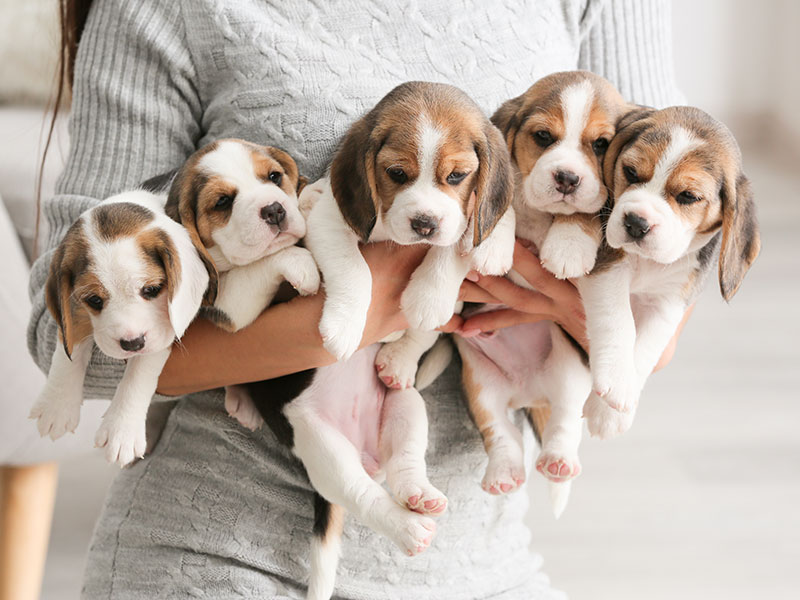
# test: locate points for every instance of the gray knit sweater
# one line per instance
(217, 512)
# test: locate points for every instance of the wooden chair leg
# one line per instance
(27, 495)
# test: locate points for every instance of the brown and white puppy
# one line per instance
(127, 278)
(679, 196)
(557, 133)
(424, 166)
(239, 203)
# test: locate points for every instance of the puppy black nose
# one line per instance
(273, 214)
(566, 181)
(133, 345)
(424, 225)
(636, 226)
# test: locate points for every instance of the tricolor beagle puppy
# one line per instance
(424, 166)
(127, 278)
(239, 203)
(557, 133)
(679, 197)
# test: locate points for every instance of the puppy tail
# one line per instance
(326, 544)
(434, 363)
(559, 496)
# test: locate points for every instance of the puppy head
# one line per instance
(425, 161)
(676, 176)
(558, 132)
(120, 275)
(239, 198)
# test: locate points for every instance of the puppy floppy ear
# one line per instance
(69, 261)
(494, 188)
(185, 273)
(508, 120)
(741, 240)
(353, 180)
(629, 127)
(182, 206)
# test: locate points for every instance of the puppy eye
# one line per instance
(224, 202)
(151, 291)
(276, 177)
(455, 178)
(95, 302)
(543, 138)
(397, 175)
(599, 146)
(686, 197)
(630, 174)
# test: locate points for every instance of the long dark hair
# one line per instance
(72, 19)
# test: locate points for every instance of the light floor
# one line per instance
(700, 500)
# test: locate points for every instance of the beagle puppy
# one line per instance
(424, 166)
(239, 203)
(680, 197)
(127, 278)
(557, 133)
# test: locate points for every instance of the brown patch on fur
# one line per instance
(539, 416)
(387, 137)
(483, 418)
(121, 219)
(336, 515)
(70, 261)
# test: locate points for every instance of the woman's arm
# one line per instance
(135, 113)
(285, 338)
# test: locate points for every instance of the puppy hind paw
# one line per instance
(503, 476)
(241, 407)
(558, 467)
(394, 369)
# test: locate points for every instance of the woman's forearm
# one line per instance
(284, 339)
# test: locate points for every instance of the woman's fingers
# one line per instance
(530, 267)
(454, 324)
(509, 293)
(497, 319)
(472, 292)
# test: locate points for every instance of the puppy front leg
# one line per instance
(612, 335)
(122, 432)
(58, 407)
(656, 323)
(396, 362)
(348, 281)
(430, 297)
(403, 441)
(570, 246)
(336, 472)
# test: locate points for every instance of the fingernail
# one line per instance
(473, 276)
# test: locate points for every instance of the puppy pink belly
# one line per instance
(517, 352)
(351, 399)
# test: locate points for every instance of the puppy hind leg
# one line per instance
(335, 470)
(403, 441)
(488, 405)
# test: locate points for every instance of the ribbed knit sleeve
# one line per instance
(629, 42)
(135, 113)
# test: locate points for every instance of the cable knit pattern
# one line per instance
(218, 512)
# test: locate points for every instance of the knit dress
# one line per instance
(219, 512)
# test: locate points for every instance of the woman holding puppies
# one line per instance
(216, 511)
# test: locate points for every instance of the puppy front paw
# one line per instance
(493, 258)
(412, 532)
(394, 367)
(301, 271)
(566, 258)
(123, 437)
(55, 416)
(342, 330)
(603, 421)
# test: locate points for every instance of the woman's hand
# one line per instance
(555, 300)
